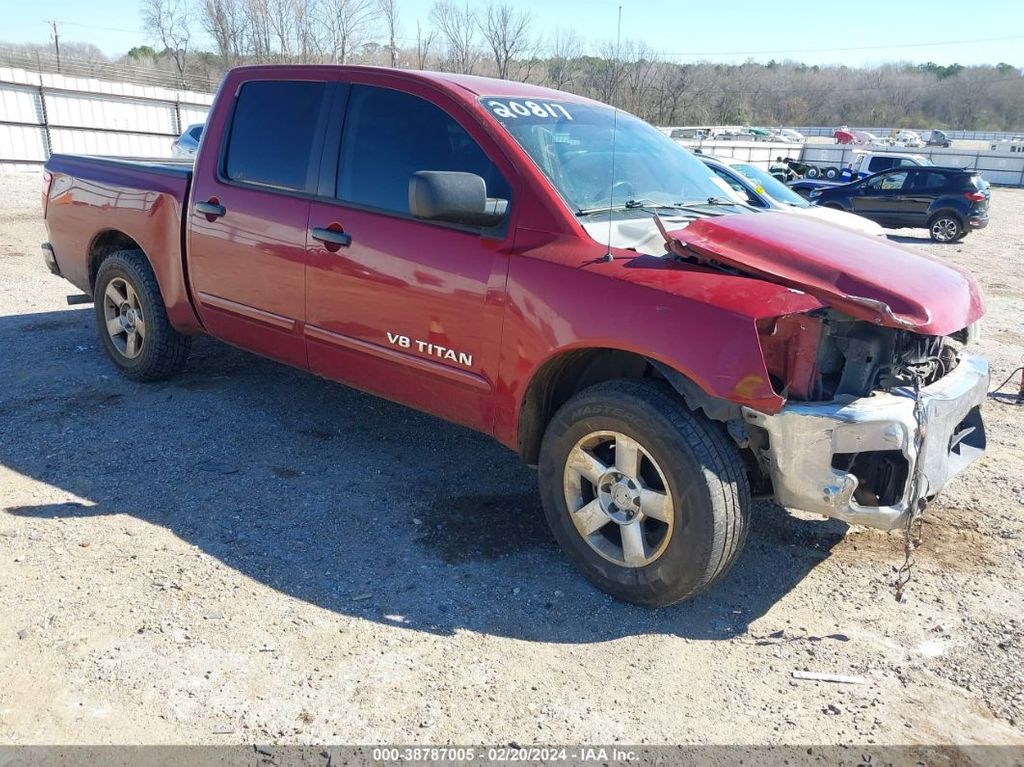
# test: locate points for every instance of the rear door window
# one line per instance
(390, 135)
(880, 163)
(890, 182)
(273, 131)
(930, 181)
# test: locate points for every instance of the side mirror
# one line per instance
(458, 198)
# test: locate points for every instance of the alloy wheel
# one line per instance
(618, 498)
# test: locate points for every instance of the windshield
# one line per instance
(572, 145)
(766, 183)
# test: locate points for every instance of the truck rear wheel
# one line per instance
(132, 320)
(648, 500)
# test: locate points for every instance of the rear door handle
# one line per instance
(210, 209)
(332, 237)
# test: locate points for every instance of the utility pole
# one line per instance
(56, 43)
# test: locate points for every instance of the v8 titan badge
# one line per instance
(434, 350)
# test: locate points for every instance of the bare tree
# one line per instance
(224, 21)
(346, 25)
(257, 28)
(507, 33)
(563, 57)
(389, 10)
(457, 25)
(170, 21)
(423, 44)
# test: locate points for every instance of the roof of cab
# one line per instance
(463, 85)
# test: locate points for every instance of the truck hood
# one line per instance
(868, 278)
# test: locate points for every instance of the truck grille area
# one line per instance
(858, 358)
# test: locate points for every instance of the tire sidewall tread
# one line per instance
(164, 350)
(702, 466)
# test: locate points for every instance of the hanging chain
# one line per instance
(914, 528)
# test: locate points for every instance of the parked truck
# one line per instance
(552, 272)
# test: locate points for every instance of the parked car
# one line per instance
(937, 138)
(552, 272)
(907, 138)
(791, 136)
(188, 142)
(948, 202)
(867, 163)
(866, 137)
(760, 189)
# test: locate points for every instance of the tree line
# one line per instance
(497, 39)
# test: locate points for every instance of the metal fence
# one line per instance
(44, 114)
(954, 135)
(1003, 168)
(198, 77)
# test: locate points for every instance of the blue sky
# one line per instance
(822, 32)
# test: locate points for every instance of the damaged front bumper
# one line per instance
(854, 460)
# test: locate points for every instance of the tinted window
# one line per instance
(390, 135)
(890, 182)
(930, 181)
(272, 133)
(881, 163)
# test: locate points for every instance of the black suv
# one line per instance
(949, 202)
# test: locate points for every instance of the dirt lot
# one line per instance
(250, 553)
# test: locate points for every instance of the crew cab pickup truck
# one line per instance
(552, 272)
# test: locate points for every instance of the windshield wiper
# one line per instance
(710, 202)
(652, 205)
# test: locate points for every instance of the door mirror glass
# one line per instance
(454, 197)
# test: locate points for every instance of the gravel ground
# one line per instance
(249, 553)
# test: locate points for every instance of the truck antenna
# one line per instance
(615, 120)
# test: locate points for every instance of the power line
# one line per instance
(833, 48)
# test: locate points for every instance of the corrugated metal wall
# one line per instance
(42, 114)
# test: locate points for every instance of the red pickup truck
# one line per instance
(552, 272)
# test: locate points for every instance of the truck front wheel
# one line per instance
(648, 500)
(132, 320)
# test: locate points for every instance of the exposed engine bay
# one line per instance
(827, 355)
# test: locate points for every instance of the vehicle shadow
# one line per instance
(338, 498)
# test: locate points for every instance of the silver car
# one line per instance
(188, 142)
(760, 189)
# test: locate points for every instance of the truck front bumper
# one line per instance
(819, 454)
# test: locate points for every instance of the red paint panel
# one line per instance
(854, 273)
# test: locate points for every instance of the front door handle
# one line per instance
(210, 209)
(332, 237)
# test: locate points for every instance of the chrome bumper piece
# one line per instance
(804, 438)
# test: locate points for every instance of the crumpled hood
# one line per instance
(868, 278)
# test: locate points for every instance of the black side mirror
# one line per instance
(458, 198)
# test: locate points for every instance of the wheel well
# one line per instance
(560, 378)
(102, 246)
(946, 212)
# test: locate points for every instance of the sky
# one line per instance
(862, 33)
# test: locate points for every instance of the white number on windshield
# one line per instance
(507, 110)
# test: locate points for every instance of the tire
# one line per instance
(126, 295)
(812, 172)
(831, 173)
(689, 535)
(834, 206)
(945, 227)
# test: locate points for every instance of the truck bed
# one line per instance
(94, 205)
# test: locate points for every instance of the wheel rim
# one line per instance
(618, 499)
(122, 312)
(944, 230)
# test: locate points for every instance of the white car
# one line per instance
(760, 189)
(790, 136)
(908, 138)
